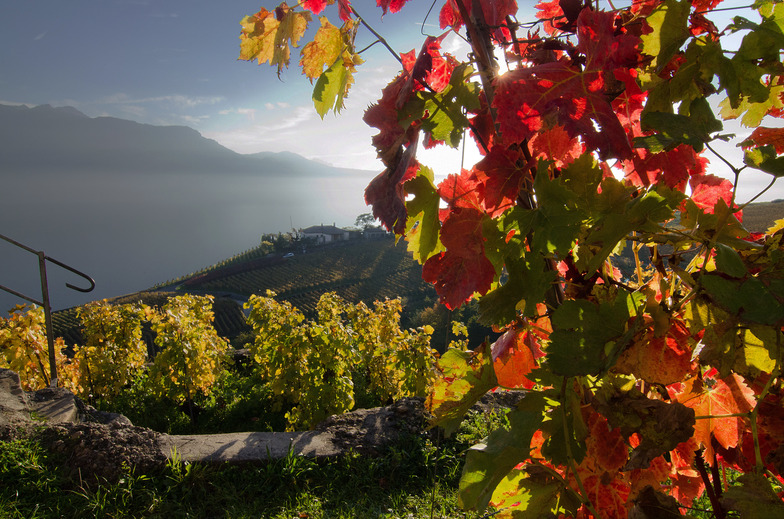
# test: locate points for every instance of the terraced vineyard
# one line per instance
(229, 319)
(357, 270)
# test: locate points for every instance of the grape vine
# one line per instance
(599, 136)
(24, 349)
(313, 365)
(113, 353)
(191, 354)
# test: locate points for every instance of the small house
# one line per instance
(324, 233)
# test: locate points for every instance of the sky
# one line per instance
(175, 62)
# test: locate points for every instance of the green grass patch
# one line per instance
(416, 478)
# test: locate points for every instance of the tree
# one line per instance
(641, 385)
(365, 220)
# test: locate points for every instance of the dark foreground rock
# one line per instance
(93, 451)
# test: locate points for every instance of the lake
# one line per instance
(133, 231)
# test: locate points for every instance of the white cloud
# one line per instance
(176, 99)
(14, 103)
(133, 112)
(194, 119)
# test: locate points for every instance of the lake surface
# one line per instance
(131, 232)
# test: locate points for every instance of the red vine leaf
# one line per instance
(460, 191)
(609, 497)
(316, 6)
(493, 11)
(344, 8)
(606, 448)
(552, 15)
(570, 96)
(659, 360)
(653, 475)
(514, 356)
(707, 190)
(675, 167)
(711, 399)
(385, 192)
(556, 145)
(499, 175)
(763, 136)
(705, 5)
(463, 269)
(384, 116)
(429, 68)
(393, 6)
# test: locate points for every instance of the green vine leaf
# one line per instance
(753, 497)
(465, 377)
(446, 110)
(526, 286)
(423, 223)
(586, 335)
(530, 494)
(489, 462)
(670, 31)
(765, 158)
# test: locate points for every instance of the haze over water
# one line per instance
(133, 231)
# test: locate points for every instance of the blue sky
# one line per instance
(175, 62)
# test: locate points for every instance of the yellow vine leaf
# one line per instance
(777, 226)
(751, 113)
(266, 35)
(325, 48)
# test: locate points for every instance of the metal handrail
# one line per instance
(42, 259)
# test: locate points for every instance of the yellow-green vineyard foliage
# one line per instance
(191, 352)
(312, 364)
(24, 349)
(114, 352)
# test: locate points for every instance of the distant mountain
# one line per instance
(65, 139)
(45, 137)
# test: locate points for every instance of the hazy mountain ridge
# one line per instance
(65, 139)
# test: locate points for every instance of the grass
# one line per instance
(414, 479)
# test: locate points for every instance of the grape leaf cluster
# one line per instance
(601, 135)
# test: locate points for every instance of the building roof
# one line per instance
(323, 229)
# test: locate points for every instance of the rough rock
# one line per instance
(367, 431)
(54, 404)
(96, 452)
(94, 445)
(13, 401)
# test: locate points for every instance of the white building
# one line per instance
(324, 233)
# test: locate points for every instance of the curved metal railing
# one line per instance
(44, 302)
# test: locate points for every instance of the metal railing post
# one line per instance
(45, 303)
(47, 319)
